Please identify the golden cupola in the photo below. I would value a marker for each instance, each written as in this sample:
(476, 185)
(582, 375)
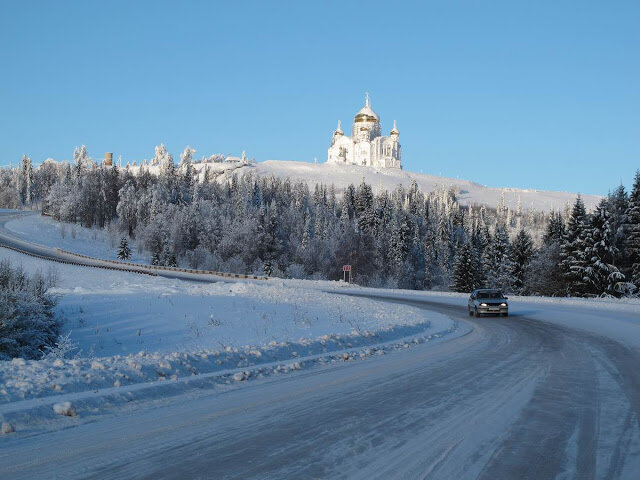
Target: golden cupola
(366, 113)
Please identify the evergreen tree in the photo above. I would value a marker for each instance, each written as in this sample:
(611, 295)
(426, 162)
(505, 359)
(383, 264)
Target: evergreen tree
(25, 181)
(598, 272)
(632, 230)
(618, 203)
(544, 275)
(415, 266)
(555, 229)
(521, 252)
(124, 252)
(572, 255)
(498, 264)
(270, 244)
(464, 270)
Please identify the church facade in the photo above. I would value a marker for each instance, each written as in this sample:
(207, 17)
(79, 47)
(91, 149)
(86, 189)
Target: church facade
(366, 146)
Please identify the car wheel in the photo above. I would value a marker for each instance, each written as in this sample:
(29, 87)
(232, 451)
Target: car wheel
(475, 312)
(470, 312)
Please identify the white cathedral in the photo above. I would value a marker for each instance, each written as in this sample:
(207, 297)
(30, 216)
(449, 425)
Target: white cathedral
(366, 146)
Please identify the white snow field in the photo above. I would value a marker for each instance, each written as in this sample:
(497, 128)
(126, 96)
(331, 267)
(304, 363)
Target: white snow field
(468, 192)
(93, 242)
(130, 328)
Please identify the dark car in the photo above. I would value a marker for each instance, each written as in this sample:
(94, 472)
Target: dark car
(487, 301)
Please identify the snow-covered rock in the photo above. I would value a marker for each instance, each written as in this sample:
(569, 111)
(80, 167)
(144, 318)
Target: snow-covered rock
(6, 428)
(64, 408)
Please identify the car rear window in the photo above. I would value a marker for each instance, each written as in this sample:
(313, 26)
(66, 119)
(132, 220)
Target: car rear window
(490, 294)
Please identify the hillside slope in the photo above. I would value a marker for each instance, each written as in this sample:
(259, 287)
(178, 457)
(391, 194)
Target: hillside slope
(468, 192)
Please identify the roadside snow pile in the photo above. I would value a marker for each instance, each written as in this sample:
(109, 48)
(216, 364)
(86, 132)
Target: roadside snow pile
(21, 380)
(64, 408)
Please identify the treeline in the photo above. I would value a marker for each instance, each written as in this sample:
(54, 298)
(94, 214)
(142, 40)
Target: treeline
(405, 238)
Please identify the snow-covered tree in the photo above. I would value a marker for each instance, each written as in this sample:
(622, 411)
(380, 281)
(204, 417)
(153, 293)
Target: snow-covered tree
(81, 160)
(598, 271)
(124, 252)
(464, 270)
(127, 208)
(572, 255)
(498, 263)
(521, 252)
(632, 231)
(25, 181)
(27, 321)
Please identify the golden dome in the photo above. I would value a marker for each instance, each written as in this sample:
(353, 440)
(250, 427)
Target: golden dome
(366, 113)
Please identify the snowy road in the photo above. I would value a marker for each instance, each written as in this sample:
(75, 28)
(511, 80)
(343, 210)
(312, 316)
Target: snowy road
(515, 398)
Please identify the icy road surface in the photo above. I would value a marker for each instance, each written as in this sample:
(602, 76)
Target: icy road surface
(514, 399)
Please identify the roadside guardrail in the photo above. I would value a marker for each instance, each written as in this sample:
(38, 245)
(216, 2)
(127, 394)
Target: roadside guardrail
(69, 262)
(171, 269)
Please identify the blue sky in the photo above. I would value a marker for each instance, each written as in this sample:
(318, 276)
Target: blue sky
(542, 94)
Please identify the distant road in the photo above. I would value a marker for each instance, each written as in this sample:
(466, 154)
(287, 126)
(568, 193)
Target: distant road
(8, 239)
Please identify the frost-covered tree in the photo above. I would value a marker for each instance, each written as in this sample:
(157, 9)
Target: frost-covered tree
(81, 160)
(572, 254)
(124, 252)
(555, 229)
(632, 231)
(543, 275)
(498, 263)
(403, 237)
(521, 252)
(25, 181)
(464, 270)
(598, 271)
(27, 321)
(127, 208)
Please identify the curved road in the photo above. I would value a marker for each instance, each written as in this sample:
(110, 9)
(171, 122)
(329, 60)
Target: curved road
(9, 239)
(514, 399)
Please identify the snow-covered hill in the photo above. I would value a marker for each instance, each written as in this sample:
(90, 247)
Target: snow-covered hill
(468, 192)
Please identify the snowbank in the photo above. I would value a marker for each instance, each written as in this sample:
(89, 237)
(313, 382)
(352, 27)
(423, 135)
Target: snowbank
(132, 329)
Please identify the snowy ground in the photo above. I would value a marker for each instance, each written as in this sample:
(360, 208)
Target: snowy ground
(131, 328)
(93, 242)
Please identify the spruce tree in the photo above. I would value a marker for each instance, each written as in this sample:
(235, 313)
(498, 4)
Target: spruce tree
(555, 229)
(124, 252)
(618, 203)
(521, 252)
(572, 256)
(464, 270)
(632, 230)
(598, 271)
(498, 263)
